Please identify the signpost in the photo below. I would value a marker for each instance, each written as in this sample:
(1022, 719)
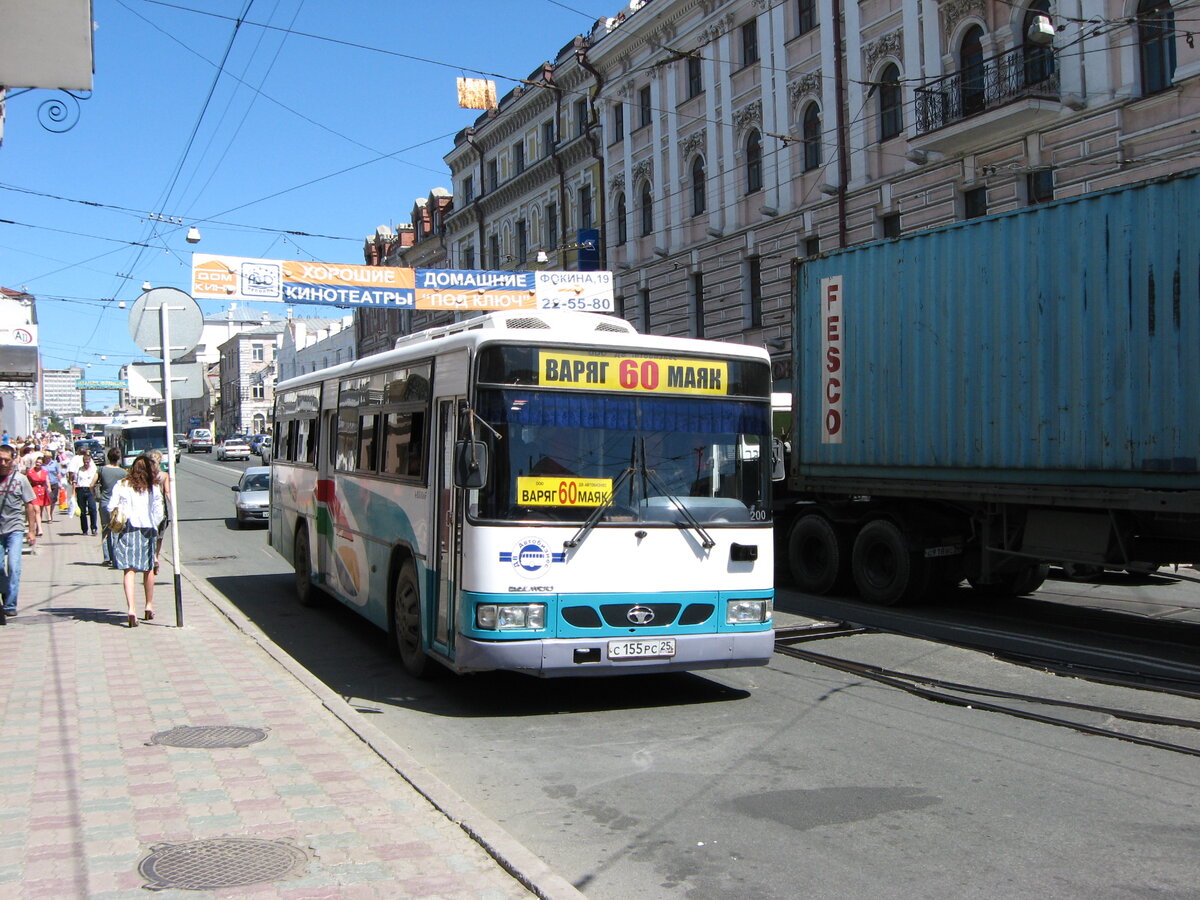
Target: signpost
(157, 315)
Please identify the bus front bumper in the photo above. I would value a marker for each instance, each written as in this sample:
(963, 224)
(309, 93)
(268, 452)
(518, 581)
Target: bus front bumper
(566, 657)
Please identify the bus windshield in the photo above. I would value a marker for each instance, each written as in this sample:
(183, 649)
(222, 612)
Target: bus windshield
(560, 455)
(151, 437)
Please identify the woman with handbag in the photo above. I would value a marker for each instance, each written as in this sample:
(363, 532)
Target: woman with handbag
(135, 513)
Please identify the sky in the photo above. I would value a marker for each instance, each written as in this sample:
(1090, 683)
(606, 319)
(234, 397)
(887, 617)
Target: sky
(322, 118)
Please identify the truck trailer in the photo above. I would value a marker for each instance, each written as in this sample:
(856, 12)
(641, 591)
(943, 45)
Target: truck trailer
(983, 399)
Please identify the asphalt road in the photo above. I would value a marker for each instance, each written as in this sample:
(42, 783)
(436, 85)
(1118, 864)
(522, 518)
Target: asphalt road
(783, 781)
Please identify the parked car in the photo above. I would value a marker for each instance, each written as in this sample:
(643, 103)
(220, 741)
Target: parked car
(255, 440)
(264, 448)
(198, 440)
(253, 500)
(179, 441)
(233, 448)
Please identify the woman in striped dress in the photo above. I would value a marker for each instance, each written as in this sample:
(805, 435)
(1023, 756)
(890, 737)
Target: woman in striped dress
(140, 500)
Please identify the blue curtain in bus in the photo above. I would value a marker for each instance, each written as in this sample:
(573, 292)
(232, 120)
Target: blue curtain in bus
(696, 416)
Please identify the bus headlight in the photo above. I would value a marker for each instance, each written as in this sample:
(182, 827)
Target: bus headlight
(525, 616)
(747, 612)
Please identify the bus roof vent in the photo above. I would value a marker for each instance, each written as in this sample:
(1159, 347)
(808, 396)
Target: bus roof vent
(526, 322)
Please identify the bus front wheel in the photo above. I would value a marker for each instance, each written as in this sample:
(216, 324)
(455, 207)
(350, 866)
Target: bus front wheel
(406, 621)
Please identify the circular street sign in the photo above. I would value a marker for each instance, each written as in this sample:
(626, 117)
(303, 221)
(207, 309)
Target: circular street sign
(185, 321)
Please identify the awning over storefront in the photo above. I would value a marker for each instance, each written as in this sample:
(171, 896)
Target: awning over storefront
(18, 363)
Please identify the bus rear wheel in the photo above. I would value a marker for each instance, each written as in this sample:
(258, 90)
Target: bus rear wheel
(306, 591)
(406, 622)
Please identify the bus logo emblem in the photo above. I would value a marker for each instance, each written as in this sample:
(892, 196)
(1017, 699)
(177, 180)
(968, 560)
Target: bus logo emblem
(531, 558)
(640, 615)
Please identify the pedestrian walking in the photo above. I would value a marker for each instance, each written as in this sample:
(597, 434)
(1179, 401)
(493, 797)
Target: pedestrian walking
(17, 515)
(85, 486)
(137, 501)
(39, 481)
(53, 485)
(110, 474)
(163, 480)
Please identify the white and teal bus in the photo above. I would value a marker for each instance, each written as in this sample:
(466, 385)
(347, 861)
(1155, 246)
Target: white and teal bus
(134, 437)
(543, 492)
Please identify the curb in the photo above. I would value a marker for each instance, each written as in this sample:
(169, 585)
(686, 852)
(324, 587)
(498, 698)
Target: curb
(516, 859)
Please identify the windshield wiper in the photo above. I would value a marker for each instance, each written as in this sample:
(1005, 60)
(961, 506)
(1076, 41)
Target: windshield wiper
(586, 528)
(705, 540)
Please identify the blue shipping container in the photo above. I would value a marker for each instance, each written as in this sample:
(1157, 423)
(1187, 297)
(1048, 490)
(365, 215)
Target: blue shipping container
(1058, 344)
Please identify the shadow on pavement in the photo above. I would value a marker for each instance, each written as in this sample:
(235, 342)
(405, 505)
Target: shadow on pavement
(351, 656)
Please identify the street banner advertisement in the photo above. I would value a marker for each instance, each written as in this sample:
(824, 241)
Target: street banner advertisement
(338, 284)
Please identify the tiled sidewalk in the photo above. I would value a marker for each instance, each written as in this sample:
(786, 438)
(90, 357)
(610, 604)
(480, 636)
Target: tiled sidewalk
(86, 796)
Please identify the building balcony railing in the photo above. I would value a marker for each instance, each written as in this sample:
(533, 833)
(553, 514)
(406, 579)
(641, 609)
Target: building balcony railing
(1023, 72)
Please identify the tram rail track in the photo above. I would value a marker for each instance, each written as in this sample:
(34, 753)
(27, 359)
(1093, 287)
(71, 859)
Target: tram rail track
(989, 699)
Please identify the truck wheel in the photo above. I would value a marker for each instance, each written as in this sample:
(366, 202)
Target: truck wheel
(885, 571)
(1014, 584)
(817, 555)
(306, 591)
(406, 622)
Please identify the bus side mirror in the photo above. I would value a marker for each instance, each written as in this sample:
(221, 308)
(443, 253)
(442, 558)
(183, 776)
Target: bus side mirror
(470, 464)
(778, 465)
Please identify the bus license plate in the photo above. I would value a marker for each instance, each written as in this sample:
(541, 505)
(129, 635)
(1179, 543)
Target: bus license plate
(652, 649)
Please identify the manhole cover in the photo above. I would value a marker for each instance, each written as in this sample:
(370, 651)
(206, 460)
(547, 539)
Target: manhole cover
(219, 863)
(210, 737)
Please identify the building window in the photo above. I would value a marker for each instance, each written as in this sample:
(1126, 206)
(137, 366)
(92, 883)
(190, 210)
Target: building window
(468, 185)
(468, 258)
(750, 43)
(889, 225)
(522, 240)
(618, 122)
(971, 71)
(891, 103)
(812, 246)
(754, 292)
(519, 157)
(699, 187)
(754, 173)
(647, 204)
(622, 220)
(1156, 44)
(548, 138)
(258, 392)
(806, 16)
(1040, 186)
(811, 132)
(494, 250)
(644, 302)
(585, 206)
(551, 240)
(493, 175)
(581, 117)
(975, 203)
(258, 352)
(645, 112)
(698, 303)
(1038, 58)
(695, 80)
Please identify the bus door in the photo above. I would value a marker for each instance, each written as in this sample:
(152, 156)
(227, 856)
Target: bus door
(448, 517)
(326, 526)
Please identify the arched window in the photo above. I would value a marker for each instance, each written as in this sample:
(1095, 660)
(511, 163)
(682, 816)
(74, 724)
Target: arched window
(699, 187)
(970, 68)
(1156, 44)
(1039, 58)
(811, 131)
(891, 104)
(647, 204)
(754, 174)
(622, 220)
